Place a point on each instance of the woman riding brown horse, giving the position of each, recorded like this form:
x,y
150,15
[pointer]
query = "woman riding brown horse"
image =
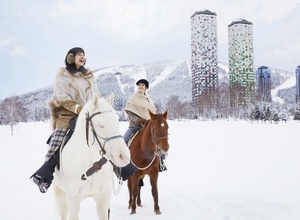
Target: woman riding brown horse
x,y
147,147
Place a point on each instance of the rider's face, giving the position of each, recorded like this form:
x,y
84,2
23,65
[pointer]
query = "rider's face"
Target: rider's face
x,y
79,60
141,87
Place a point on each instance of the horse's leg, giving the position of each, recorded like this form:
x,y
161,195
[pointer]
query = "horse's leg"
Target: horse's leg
x,y
139,202
153,181
135,186
103,200
129,185
73,205
60,200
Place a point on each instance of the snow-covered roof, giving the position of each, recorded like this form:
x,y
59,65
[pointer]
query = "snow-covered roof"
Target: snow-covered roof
x,y
263,67
204,11
240,21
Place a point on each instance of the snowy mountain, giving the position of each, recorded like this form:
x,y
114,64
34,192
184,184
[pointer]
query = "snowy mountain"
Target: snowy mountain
x,y
167,79
172,78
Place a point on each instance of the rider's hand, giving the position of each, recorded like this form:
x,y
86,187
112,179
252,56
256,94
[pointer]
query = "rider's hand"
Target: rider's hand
x,y
79,108
141,121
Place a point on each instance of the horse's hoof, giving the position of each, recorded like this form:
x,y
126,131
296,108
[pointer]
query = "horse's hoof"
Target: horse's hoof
x,y
157,212
132,212
140,205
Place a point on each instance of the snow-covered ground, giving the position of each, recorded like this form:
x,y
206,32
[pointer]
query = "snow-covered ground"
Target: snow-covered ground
x,y
220,170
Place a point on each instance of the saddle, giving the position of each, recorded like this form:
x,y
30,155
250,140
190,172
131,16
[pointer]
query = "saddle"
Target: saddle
x,y
132,137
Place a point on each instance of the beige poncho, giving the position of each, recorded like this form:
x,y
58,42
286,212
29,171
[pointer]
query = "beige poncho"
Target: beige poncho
x,y
140,104
70,90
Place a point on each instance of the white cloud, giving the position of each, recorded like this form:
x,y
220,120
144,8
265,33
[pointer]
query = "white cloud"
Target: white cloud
x,y
63,9
125,19
6,41
142,31
271,11
17,51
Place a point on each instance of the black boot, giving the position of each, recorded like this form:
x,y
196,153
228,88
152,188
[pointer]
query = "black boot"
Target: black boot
x,y
127,171
117,171
162,164
43,177
141,183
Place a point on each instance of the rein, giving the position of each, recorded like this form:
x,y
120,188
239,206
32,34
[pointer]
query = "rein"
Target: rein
x,y
158,151
96,136
97,165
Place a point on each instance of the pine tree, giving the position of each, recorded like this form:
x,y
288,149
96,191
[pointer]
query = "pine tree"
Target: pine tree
x,y
255,113
297,114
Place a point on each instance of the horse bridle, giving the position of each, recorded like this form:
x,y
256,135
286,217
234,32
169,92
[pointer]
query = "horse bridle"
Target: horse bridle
x,y
98,164
97,136
158,138
158,151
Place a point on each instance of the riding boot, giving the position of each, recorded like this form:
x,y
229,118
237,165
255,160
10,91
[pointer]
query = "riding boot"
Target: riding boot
x,y
162,165
127,171
141,183
44,175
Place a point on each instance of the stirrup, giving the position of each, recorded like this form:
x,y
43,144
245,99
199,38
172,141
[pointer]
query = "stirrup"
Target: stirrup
x,y
43,186
117,171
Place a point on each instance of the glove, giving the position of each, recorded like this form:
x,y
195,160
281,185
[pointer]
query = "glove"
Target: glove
x,y
79,108
141,121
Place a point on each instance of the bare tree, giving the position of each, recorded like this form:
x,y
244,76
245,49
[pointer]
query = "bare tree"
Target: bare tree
x,y
12,111
173,104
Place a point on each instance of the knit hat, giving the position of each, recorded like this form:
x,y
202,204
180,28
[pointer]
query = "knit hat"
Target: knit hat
x,y
143,81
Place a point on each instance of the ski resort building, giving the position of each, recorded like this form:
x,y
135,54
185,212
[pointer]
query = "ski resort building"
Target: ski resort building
x,y
204,58
263,84
298,84
241,65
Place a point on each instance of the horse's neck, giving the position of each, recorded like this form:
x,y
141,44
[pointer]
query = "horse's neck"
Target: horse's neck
x,y
146,130
79,124
80,129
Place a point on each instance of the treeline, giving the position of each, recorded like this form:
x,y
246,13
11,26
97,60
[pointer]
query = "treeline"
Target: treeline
x,y
220,107
15,109
272,112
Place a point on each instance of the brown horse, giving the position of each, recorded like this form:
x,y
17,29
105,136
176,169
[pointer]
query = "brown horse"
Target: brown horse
x,y
146,149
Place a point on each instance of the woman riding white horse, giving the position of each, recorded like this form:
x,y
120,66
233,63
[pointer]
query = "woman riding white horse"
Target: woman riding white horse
x,y
96,138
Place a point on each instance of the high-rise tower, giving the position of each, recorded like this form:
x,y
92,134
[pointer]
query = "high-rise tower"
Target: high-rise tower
x,y
263,84
298,84
241,66
204,59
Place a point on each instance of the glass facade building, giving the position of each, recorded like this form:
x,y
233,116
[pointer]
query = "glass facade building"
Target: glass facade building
x,y
241,63
204,48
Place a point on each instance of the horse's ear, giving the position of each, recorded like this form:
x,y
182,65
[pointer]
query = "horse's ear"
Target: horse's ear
x,y
166,114
111,98
152,116
95,101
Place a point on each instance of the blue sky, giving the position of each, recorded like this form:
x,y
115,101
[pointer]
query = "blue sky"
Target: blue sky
x,y
36,35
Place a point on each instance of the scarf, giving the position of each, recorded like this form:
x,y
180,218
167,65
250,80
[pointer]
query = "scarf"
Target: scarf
x,y
140,104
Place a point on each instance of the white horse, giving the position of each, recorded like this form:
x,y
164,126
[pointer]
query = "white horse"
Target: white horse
x,y
96,138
